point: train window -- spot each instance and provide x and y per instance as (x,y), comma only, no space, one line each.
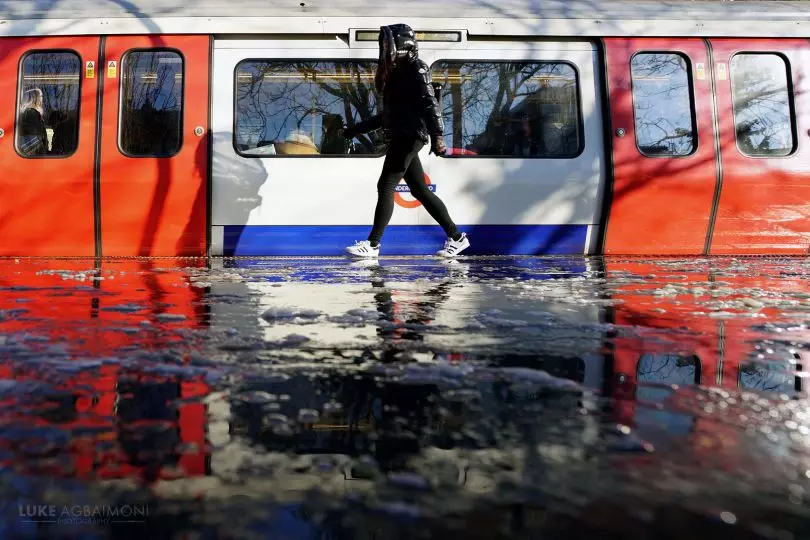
(773,377)
(296,108)
(656,375)
(510,109)
(662,104)
(49,98)
(762,118)
(668,369)
(151,103)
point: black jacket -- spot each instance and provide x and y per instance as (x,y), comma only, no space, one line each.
(409,106)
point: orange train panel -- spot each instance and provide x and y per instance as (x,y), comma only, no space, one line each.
(156,205)
(764,204)
(660,205)
(46,203)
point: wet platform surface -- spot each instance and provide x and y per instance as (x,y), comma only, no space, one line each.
(414,398)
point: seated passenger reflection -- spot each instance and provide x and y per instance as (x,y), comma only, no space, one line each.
(33,137)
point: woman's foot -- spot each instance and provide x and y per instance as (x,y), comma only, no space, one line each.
(364,249)
(454,247)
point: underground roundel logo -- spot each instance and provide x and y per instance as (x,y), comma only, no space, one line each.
(408,201)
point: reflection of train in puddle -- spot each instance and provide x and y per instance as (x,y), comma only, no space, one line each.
(97,407)
(391,393)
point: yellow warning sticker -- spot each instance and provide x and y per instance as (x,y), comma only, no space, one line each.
(722,75)
(701,71)
(111,69)
(90,70)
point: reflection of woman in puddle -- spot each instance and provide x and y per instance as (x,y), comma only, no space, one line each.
(419,313)
(33,138)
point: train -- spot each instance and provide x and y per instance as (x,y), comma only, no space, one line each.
(618,127)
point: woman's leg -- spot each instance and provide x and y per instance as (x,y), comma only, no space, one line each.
(415,178)
(397,160)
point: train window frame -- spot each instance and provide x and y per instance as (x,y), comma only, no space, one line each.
(18,87)
(121,102)
(794,132)
(580,118)
(692,103)
(293,156)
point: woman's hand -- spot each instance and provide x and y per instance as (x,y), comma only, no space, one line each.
(437,145)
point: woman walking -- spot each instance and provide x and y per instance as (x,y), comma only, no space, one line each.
(410,119)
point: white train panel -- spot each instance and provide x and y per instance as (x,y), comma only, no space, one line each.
(266,204)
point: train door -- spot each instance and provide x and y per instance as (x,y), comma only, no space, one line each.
(663,143)
(525,168)
(47,129)
(154,140)
(763,103)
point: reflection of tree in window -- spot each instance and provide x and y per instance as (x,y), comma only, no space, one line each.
(510,108)
(662,105)
(761,110)
(298,107)
(668,369)
(151,111)
(767,378)
(56,75)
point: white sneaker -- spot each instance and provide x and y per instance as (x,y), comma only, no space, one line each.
(363,249)
(453,247)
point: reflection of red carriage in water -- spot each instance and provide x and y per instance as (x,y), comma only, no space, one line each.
(100,418)
(667,336)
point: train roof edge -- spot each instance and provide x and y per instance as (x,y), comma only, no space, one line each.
(541,18)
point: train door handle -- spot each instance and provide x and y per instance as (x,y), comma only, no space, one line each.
(621,132)
(199,131)
(2,132)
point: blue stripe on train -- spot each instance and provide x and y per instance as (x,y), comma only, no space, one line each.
(330,240)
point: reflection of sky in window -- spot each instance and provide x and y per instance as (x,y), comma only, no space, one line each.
(279,99)
(496,96)
(662,105)
(761,110)
(767,378)
(57,75)
(153,80)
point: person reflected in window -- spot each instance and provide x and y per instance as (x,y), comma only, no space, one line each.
(63,129)
(33,137)
(332,143)
(410,118)
(522,141)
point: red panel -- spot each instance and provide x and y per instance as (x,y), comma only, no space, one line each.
(156,206)
(765,202)
(46,204)
(660,205)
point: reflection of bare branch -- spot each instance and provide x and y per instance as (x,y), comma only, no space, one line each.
(761,108)
(276,100)
(667,369)
(510,108)
(759,377)
(662,104)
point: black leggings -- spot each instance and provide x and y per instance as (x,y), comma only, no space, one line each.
(402,161)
